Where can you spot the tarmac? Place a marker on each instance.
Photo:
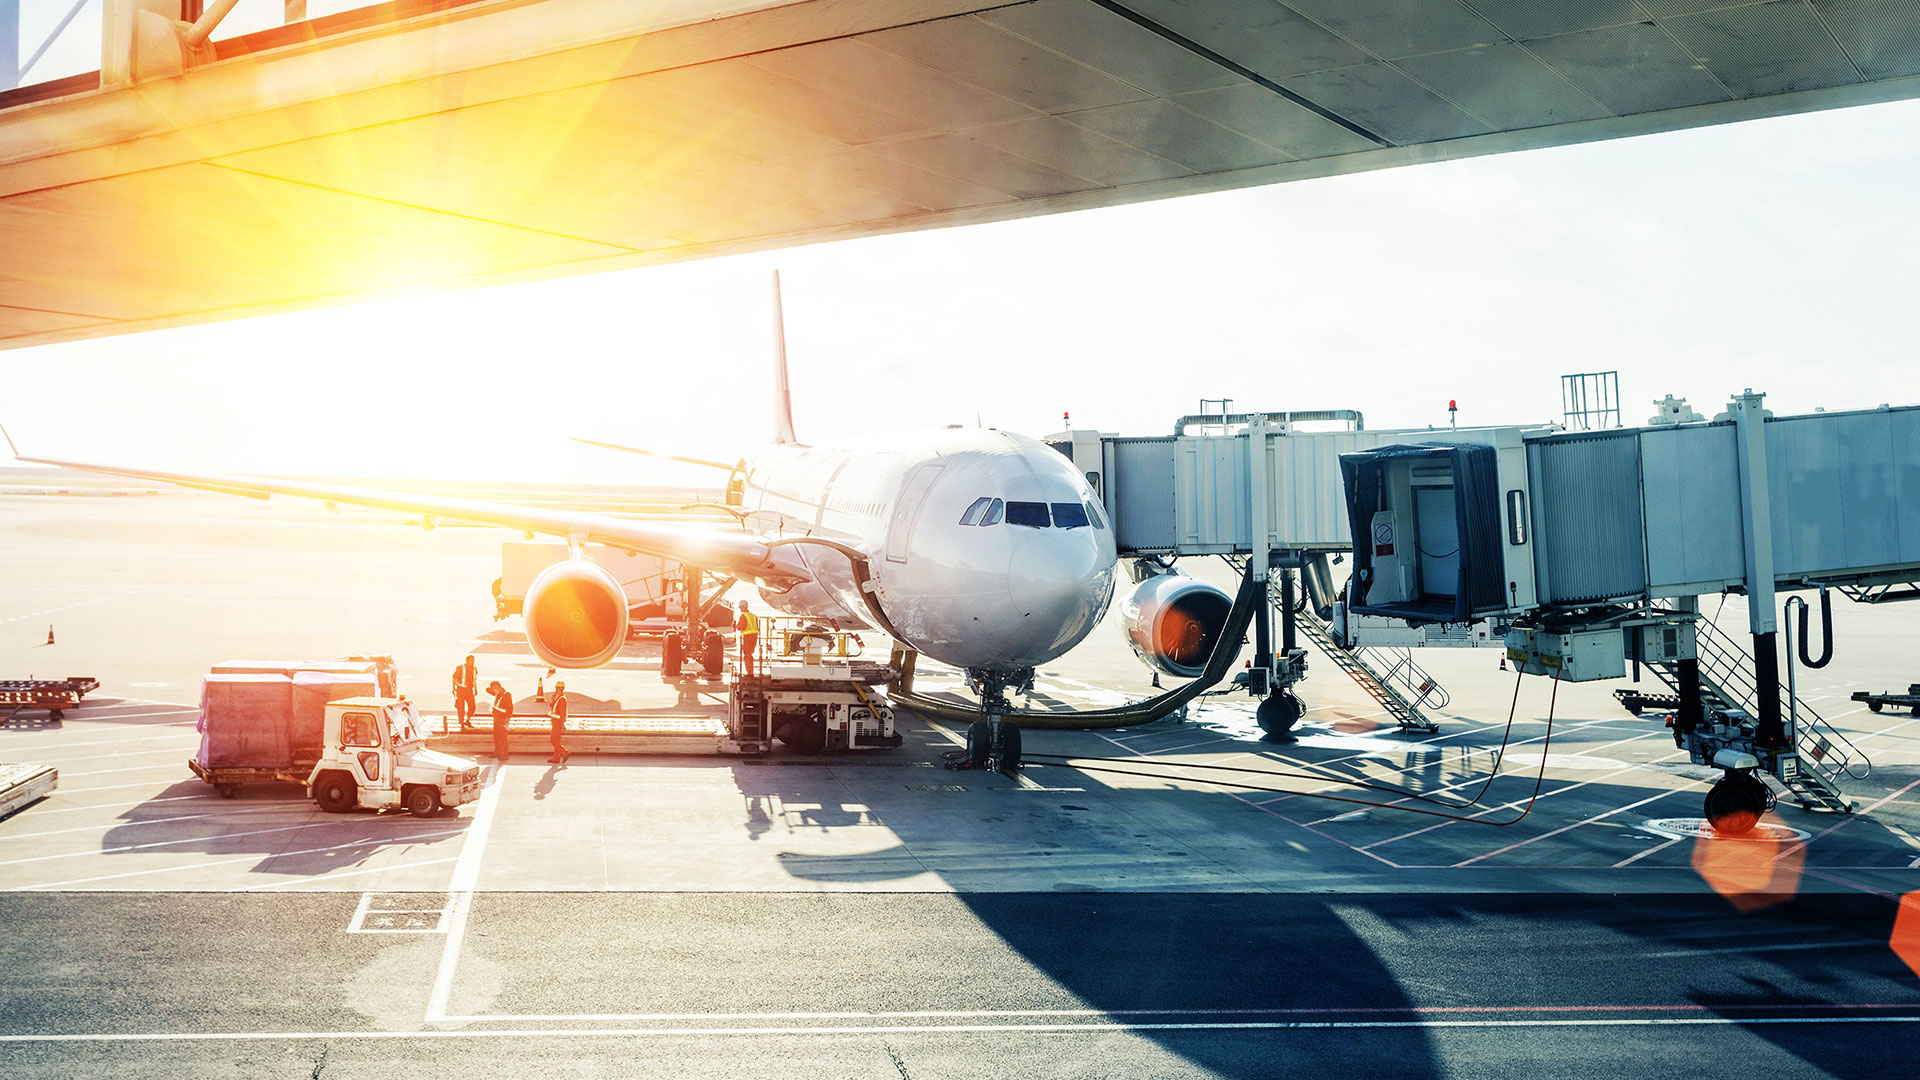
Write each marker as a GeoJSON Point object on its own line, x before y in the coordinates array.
{"type": "Point", "coordinates": [1503, 897]}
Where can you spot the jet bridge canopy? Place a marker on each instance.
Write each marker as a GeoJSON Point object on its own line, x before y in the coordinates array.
{"type": "Point", "coordinates": [435, 144]}
{"type": "Point", "coordinates": [1428, 534]}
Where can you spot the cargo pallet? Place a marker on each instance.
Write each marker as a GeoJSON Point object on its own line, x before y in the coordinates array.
{"type": "Point", "coordinates": [55, 696]}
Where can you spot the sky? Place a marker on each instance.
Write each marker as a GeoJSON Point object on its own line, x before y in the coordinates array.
{"type": "Point", "coordinates": [1776, 254]}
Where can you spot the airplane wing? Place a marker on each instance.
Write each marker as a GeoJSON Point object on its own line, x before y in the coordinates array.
{"type": "Point", "coordinates": [773, 565]}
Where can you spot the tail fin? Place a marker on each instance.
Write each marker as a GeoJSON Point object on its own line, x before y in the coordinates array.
{"type": "Point", "coordinates": [782, 396]}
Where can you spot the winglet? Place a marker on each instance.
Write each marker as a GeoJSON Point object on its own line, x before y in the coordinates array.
{"type": "Point", "coordinates": [782, 396]}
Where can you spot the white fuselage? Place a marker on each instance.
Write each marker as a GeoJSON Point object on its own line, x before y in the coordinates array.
{"type": "Point", "coordinates": [986, 550]}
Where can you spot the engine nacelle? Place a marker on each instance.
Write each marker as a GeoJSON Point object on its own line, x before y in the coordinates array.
{"type": "Point", "coordinates": [1173, 622]}
{"type": "Point", "coordinates": [575, 615]}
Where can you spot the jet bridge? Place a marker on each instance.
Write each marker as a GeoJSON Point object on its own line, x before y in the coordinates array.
{"type": "Point", "coordinates": [1265, 492]}
{"type": "Point", "coordinates": [1596, 545]}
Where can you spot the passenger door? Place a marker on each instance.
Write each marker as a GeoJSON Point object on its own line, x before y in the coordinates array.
{"type": "Point", "coordinates": [913, 494]}
{"type": "Point", "coordinates": [362, 738]}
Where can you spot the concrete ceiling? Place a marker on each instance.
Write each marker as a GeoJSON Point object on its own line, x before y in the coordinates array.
{"type": "Point", "coordinates": [510, 140]}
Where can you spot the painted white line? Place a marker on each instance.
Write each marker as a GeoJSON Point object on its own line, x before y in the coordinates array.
{"type": "Point", "coordinates": [123, 741]}
{"type": "Point", "coordinates": [1631, 859]}
{"type": "Point", "coordinates": [466, 873]}
{"type": "Point", "coordinates": [118, 824]}
{"type": "Point", "coordinates": [131, 768]}
{"type": "Point", "coordinates": [1518, 803]}
{"type": "Point", "coordinates": [260, 857]}
{"type": "Point", "coordinates": [203, 793]}
{"type": "Point", "coordinates": [168, 750]}
{"type": "Point", "coordinates": [383, 917]}
{"type": "Point", "coordinates": [1569, 828]}
{"type": "Point", "coordinates": [154, 844]}
{"type": "Point", "coordinates": [1090, 1027]}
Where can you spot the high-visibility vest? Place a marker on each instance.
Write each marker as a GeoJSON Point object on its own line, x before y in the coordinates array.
{"type": "Point", "coordinates": [749, 623]}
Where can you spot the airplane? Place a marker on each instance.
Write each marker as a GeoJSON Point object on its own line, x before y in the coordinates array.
{"type": "Point", "coordinates": [982, 549]}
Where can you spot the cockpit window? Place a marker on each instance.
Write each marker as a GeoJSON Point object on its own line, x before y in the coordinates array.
{"type": "Point", "coordinates": [979, 507]}
{"type": "Point", "coordinates": [993, 513]}
{"type": "Point", "coordinates": [1093, 515]}
{"type": "Point", "coordinates": [1030, 514]}
{"type": "Point", "coordinates": [1069, 516]}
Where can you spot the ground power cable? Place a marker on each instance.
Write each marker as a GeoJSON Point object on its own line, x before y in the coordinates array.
{"type": "Point", "coordinates": [1539, 779]}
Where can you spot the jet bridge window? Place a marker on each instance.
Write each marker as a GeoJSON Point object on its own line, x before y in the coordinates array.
{"type": "Point", "coordinates": [1031, 514]}
{"type": "Point", "coordinates": [984, 511]}
{"type": "Point", "coordinates": [1069, 516]}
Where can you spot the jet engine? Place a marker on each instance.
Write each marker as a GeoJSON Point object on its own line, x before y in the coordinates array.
{"type": "Point", "coordinates": [1173, 621]}
{"type": "Point", "coordinates": [576, 615]}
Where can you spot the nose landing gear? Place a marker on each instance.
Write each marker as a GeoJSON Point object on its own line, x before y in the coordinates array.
{"type": "Point", "coordinates": [993, 743]}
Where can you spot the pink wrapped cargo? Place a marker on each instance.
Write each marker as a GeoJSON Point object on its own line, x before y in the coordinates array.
{"type": "Point", "coordinates": [244, 721]}
{"type": "Point", "coordinates": [311, 692]}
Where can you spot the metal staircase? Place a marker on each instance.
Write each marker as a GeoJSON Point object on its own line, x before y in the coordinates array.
{"type": "Point", "coordinates": [1727, 682]}
{"type": "Point", "coordinates": [1401, 689]}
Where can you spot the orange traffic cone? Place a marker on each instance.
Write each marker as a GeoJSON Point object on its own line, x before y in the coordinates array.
{"type": "Point", "coordinates": [540, 689]}
{"type": "Point", "coordinates": [49, 633]}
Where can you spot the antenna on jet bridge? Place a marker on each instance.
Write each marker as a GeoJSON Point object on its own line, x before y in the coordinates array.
{"type": "Point", "coordinates": [782, 395]}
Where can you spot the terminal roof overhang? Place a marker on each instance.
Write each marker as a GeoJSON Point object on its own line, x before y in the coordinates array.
{"type": "Point", "coordinates": [507, 140]}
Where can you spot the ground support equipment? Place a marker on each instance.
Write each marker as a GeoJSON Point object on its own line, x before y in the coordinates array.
{"type": "Point", "coordinates": [24, 784]}
{"type": "Point", "coordinates": [1909, 701]}
{"type": "Point", "coordinates": [55, 696]}
{"type": "Point", "coordinates": [227, 780]}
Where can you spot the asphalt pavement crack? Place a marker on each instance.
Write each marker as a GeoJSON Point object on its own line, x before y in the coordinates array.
{"type": "Point", "coordinates": [891, 1056]}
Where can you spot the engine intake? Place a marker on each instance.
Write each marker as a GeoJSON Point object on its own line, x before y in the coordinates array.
{"type": "Point", "coordinates": [1173, 622]}
{"type": "Point", "coordinates": [575, 615]}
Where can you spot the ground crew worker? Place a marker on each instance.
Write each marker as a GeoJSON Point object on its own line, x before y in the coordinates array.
{"type": "Point", "coordinates": [749, 626]}
{"type": "Point", "coordinates": [557, 716]}
{"type": "Point", "coordinates": [502, 716]}
{"type": "Point", "coordinates": [466, 682]}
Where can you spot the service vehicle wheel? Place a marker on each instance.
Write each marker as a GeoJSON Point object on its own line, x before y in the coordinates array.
{"type": "Point", "coordinates": [805, 734]}
{"type": "Point", "coordinates": [713, 656]}
{"type": "Point", "coordinates": [335, 792]}
{"type": "Point", "coordinates": [1733, 807]}
{"type": "Point", "coordinates": [1009, 746]}
{"type": "Point", "coordinates": [979, 744]}
{"type": "Point", "coordinates": [1875, 706]}
{"type": "Point", "coordinates": [673, 653]}
{"type": "Point", "coordinates": [423, 801]}
{"type": "Point", "coordinates": [227, 791]}
{"type": "Point", "coordinates": [1278, 713]}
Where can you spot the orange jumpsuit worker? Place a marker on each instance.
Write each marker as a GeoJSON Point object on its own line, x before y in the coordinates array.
{"type": "Point", "coordinates": [749, 626]}
{"type": "Point", "coordinates": [466, 684]}
{"type": "Point", "coordinates": [557, 716]}
{"type": "Point", "coordinates": [502, 716]}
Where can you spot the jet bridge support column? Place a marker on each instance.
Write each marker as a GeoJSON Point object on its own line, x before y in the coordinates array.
{"type": "Point", "coordinates": [1756, 523]}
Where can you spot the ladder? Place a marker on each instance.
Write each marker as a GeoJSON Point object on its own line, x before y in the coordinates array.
{"type": "Point", "coordinates": [1726, 682]}
{"type": "Point", "coordinates": [1381, 686]}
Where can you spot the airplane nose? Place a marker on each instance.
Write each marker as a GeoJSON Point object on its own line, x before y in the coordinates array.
{"type": "Point", "coordinates": [1060, 589]}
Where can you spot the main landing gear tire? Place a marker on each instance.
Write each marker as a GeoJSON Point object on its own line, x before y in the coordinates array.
{"type": "Point", "coordinates": [423, 802]}
{"type": "Point", "coordinates": [1009, 747]}
{"type": "Point", "coordinates": [673, 653]}
{"type": "Point", "coordinates": [804, 734]}
{"type": "Point", "coordinates": [1277, 715]}
{"type": "Point", "coordinates": [979, 745]}
{"type": "Point", "coordinates": [1734, 805]}
{"type": "Point", "coordinates": [713, 653]}
{"type": "Point", "coordinates": [335, 792]}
